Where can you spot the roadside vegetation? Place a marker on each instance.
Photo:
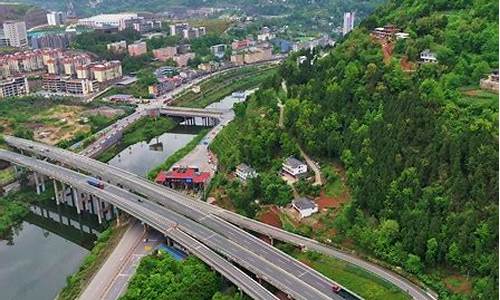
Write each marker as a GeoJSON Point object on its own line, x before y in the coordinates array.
{"type": "Point", "coordinates": [143, 130]}
{"type": "Point", "coordinates": [178, 155]}
{"type": "Point", "coordinates": [353, 278]}
{"type": "Point", "coordinates": [159, 276]}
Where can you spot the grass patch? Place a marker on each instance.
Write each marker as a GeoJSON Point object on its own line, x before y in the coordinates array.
{"type": "Point", "coordinates": [6, 176]}
{"type": "Point", "coordinates": [144, 129]}
{"type": "Point", "coordinates": [363, 283]}
{"type": "Point", "coordinates": [476, 97]}
{"type": "Point", "coordinates": [172, 159]}
{"type": "Point", "coordinates": [105, 244]}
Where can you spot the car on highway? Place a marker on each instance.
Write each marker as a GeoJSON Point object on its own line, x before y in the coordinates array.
{"type": "Point", "coordinates": [336, 289]}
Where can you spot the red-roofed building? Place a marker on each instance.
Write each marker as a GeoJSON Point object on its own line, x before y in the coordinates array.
{"type": "Point", "coordinates": [183, 177]}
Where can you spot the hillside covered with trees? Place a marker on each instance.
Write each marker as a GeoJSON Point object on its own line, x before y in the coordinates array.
{"type": "Point", "coordinates": [419, 141]}
{"type": "Point", "coordinates": [421, 153]}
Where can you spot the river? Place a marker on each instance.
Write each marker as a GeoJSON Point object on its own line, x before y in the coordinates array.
{"type": "Point", "coordinates": [43, 250]}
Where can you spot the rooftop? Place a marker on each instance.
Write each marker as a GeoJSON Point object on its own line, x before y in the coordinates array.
{"type": "Point", "coordinates": [293, 162]}
{"type": "Point", "coordinates": [304, 203]}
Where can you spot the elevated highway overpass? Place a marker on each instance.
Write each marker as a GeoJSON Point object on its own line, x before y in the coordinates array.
{"type": "Point", "coordinates": [148, 215]}
{"type": "Point", "coordinates": [159, 217]}
{"type": "Point", "coordinates": [186, 206]}
{"type": "Point", "coordinates": [166, 196]}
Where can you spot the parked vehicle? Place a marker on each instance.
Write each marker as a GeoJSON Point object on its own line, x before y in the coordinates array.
{"type": "Point", "coordinates": [336, 289]}
{"type": "Point", "coordinates": [96, 183]}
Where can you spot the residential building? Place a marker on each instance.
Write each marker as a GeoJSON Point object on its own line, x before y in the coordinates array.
{"type": "Point", "coordinates": [218, 50]}
{"type": "Point", "coordinates": [15, 32]}
{"type": "Point", "coordinates": [387, 32]}
{"type": "Point", "coordinates": [244, 172]}
{"type": "Point", "coordinates": [427, 56]}
{"type": "Point", "coordinates": [164, 54]}
{"type": "Point", "coordinates": [491, 82]}
{"type": "Point", "coordinates": [294, 167]}
{"type": "Point", "coordinates": [68, 85]}
{"type": "Point", "coordinates": [305, 206]}
{"type": "Point", "coordinates": [55, 18]}
{"type": "Point", "coordinates": [177, 29]}
{"type": "Point", "coordinates": [348, 22]}
{"type": "Point", "coordinates": [137, 49]}
{"type": "Point", "coordinates": [14, 86]}
{"type": "Point", "coordinates": [118, 21]}
{"type": "Point", "coordinates": [107, 71]}
{"type": "Point", "coordinates": [117, 47]}
{"type": "Point", "coordinates": [142, 25]}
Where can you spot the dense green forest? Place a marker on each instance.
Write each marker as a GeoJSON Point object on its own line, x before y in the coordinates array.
{"type": "Point", "coordinates": [421, 162]}
{"type": "Point", "coordinates": [420, 146]}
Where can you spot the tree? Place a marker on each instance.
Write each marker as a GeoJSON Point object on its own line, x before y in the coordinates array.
{"type": "Point", "coordinates": [432, 251]}
{"type": "Point", "coordinates": [413, 264]}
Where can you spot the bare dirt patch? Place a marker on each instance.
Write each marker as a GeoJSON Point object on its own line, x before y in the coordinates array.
{"type": "Point", "coordinates": [271, 217]}
{"type": "Point", "coordinates": [458, 284]}
{"type": "Point", "coordinates": [472, 93]}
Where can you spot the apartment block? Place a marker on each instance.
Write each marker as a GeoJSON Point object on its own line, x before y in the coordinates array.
{"type": "Point", "coordinates": [16, 86]}
{"type": "Point", "coordinates": [15, 32]}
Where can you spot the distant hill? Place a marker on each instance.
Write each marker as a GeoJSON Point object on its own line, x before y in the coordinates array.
{"type": "Point", "coordinates": [32, 15]}
{"type": "Point", "coordinates": [263, 7]}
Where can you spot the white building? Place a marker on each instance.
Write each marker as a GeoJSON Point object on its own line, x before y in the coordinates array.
{"type": "Point", "coordinates": [294, 167]}
{"type": "Point", "coordinates": [108, 20]}
{"type": "Point", "coordinates": [218, 50]}
{"type": "Point", "coordinates": [15, 32]}
{"type": "Point", "coordinates": [244, 172]}
{"type": "Point", "coordinates": [55, 18]}
{"type": "Point", "coordinates": [305, 206]}
{"type": "Point", "coordinates": [348, 22]}
{"type": "Point", "coordinates": [427, 56]}
{"type": "Point", "coordinates": [11, 87]}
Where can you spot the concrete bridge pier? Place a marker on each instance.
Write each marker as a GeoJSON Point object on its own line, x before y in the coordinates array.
{"type": "Point", "coordinates": [39, 183]}
{"type": "Point", "coordinates": [56, 192]}
{"type": "Point", "coordinates": [42, 178]}
{"type": "Point", "coordinates": [76, 200]}
{"type": "Point", "coordinates": [98, 206]}
{"type": "Point", "coordinates": [169, 241]}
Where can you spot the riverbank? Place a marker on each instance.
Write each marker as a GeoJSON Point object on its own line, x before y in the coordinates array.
{"type": "Point", "coordinates": [143, 130]}
{"type": "Point", "coordinates": [178, 155]}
